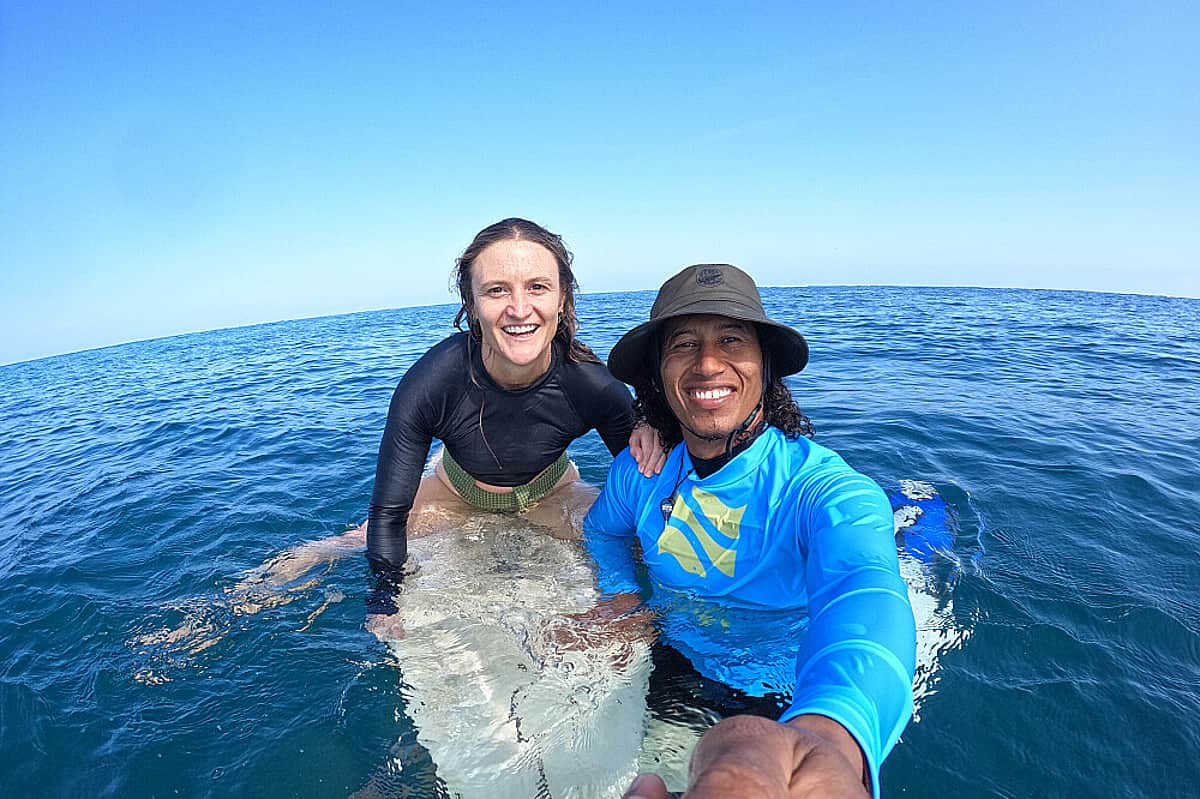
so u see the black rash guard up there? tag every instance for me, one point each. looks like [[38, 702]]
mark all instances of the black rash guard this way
[[501, 437]]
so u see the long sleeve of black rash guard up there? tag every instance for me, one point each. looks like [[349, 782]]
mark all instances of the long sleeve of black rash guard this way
[[412, 419]]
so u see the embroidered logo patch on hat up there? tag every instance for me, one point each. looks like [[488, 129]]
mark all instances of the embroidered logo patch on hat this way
[[710, 276]]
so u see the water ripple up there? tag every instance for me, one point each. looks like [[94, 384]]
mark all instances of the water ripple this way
[[140, 485]]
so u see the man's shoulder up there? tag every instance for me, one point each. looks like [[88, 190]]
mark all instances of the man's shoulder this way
[[628, 494], [798, 451], [805, 461], [624, 470], [634, 487]]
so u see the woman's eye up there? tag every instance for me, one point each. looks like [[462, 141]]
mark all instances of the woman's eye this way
[[495, 291]]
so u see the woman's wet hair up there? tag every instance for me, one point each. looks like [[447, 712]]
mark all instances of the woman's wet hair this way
[[517, 229]]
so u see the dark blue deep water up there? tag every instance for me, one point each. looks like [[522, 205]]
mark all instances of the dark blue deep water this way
[[139, 483]]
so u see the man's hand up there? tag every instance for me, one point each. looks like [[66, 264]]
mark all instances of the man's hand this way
[[617, 619], [748, 757]]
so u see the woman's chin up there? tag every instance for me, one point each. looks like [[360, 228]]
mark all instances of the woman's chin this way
[[526, 360]]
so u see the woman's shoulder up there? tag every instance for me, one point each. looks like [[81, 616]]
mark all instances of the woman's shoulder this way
[[589, 378], [444, 361], [593, 371], [598, 396], [452, 348]]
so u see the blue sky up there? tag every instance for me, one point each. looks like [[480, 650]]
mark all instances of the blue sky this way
[[172, 167]]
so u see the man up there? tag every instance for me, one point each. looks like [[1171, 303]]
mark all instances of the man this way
[[751, 513]]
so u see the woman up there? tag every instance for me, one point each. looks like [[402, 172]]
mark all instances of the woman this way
[[506, 397], [525, 714]]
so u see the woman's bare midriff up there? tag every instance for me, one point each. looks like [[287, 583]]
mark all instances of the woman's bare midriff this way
[[569, 476], [560, 511]]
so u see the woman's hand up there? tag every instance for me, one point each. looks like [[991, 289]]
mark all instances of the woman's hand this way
[[647, 449], [386, 628]]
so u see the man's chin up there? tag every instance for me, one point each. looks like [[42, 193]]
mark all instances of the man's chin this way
[[707, 435], [710, 424]]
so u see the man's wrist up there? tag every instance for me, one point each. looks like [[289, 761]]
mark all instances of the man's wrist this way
[[839, 738]]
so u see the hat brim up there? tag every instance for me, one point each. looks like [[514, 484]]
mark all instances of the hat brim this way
[[631, 360]]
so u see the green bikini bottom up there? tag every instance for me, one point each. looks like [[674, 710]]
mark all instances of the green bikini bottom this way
[[520, 498]]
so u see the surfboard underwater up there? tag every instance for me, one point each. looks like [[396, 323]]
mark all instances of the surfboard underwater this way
[[505, 712], [925, 531]]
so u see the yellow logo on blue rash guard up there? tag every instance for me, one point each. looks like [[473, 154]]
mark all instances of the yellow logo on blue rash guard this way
[[725, 520]]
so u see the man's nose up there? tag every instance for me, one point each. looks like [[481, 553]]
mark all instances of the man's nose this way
[[709, 360]]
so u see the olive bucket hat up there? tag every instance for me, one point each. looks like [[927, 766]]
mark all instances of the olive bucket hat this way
[[720, 289]]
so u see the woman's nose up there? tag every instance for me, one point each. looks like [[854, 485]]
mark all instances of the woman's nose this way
[[518, 304]]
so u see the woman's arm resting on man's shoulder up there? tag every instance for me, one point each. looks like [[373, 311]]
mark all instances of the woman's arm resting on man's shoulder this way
[[646, 448]]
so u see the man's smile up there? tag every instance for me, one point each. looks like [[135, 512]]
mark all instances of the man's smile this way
[[710, 397]]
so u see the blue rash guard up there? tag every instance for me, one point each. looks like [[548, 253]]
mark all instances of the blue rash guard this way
[[785, 525]]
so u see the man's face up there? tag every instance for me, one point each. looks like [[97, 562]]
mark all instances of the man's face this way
[[712, 376]]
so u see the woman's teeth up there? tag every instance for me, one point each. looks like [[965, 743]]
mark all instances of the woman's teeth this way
[[518, 330]]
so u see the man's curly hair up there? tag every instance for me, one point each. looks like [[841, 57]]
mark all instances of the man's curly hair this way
[[781, 411]]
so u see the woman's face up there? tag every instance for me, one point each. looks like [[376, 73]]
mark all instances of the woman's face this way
[[517, 296]]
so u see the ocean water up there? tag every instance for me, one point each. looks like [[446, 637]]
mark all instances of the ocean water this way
[[141, 485]]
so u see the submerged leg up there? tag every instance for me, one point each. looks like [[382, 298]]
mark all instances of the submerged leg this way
[[278, 571]]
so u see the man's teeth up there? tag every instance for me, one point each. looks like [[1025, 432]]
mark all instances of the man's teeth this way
[[712, 393], [517, 330]]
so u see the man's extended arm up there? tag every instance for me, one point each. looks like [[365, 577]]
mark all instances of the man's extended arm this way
[[856, 665], [854, 674]]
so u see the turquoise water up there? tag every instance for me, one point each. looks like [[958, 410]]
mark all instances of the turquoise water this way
[[139, 483]]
